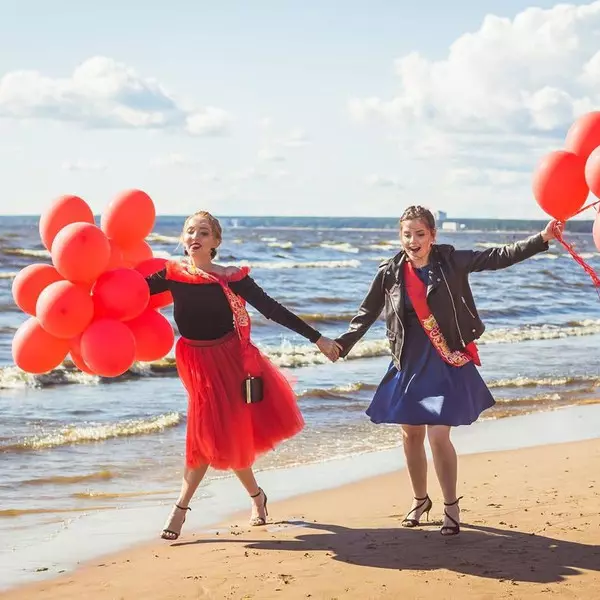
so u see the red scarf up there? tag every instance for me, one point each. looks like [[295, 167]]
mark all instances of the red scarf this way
[[417, 292], [181, 271]]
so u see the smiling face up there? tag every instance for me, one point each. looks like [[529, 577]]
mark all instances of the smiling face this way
[[417, 238], [199, 237]]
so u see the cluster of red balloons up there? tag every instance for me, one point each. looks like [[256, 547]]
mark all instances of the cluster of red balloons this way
[[93, 302], [564, 178]]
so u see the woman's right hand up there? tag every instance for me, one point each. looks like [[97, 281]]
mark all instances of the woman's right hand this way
[[329, 348]]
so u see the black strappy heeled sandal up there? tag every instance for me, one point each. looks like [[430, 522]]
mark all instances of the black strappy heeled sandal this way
[[258, 521], [426, 505], [451, 529], [172, 522]]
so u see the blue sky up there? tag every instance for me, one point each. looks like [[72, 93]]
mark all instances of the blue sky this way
[[291, 108]]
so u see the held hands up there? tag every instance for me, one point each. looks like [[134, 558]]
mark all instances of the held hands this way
[[329, 348], [552, 229]]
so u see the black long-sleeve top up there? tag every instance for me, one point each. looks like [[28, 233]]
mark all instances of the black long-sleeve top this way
[[202, 312]]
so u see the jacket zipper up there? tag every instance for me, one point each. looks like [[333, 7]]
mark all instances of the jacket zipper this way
[[467, 307], [462, 341]]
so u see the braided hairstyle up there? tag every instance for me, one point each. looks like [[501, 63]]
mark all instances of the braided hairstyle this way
[[215, 227], [418, 212]]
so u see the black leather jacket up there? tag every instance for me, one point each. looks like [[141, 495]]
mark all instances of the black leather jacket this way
[[448, 294]]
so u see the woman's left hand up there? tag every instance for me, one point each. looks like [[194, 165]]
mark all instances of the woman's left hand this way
[[551, 229]]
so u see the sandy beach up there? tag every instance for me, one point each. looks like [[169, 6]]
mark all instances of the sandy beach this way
[[531, 529]]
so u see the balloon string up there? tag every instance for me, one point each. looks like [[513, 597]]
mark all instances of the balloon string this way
[[586, 207], [559, 237]]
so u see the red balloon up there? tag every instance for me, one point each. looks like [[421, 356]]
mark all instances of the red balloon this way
[[120, 294], [583, 136], [108, 347], [136, 253], [592, 172], [29, 283], [596, 231], [80, 363], [559, 184], [116, 256], [129, 218], [63, 211], [64, 309], [154, 335], [149, 267], [80, 252], [36, 351]]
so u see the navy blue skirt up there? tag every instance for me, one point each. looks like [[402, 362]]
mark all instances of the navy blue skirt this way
[[428, 391]]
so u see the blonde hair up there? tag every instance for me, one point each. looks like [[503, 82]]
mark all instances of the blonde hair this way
[[215, 227]]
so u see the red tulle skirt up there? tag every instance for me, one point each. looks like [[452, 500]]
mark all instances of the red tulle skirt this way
[[222, 430]]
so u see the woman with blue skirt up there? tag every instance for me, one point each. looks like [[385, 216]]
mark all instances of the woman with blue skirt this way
[[432, 383]]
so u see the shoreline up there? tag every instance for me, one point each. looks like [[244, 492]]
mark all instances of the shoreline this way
[[125, 530]]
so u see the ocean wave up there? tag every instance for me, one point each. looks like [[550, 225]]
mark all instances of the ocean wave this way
[[81, 434], [541, 332], [340, 247], [289, 355], [8, 274], [531, 382], [165, 239], [326, 317], [104, 475], [340, 392], [315, 264], [282, 245], [26, 252]]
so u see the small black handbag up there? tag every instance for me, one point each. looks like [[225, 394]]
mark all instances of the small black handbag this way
[[252, 389]]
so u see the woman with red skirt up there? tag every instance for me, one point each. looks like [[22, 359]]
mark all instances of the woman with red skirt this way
[[239, 404]]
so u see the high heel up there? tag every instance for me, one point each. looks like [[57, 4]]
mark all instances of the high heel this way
[[426, 505], [258, 520], [451, 529], [174, 523]]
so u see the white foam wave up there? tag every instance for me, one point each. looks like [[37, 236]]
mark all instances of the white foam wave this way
[[77, 434], [283, 245], [317, 264], [14, 378], [541, 332], [167, 239], [27, 252], [340, 247]]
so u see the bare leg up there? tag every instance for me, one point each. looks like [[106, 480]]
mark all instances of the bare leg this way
[[446, 468], [190, 483], [191, 480], [413, 441], [259, 498]]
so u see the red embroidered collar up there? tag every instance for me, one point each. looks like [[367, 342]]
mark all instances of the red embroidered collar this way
[[178, 271]]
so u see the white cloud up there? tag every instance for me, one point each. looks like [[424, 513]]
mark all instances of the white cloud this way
[[383, 181], [533, 73], [296, 138], [279, 174], [484, 114], [247, 174], [270, 155], [104, 93], [84, 165], [175, 160]]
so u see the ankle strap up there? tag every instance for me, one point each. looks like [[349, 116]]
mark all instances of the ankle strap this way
[[419, 499], [453, 503], [183, 507], [257, 493]]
